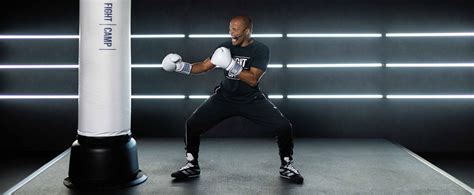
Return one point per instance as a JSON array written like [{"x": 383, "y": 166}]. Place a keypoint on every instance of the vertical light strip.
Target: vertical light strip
[
  {"x": 14, "y": 97},
  {"x": 395, "y": 65},
  {"x": 69, "y": 66},
  {"x": 275, "y": 96},
  {"x": 430, "y": 96},
  {"x": 228, "y": 36},
  {"x": 147, "y": 66},
  {"x": 431, "y": 65},
  {"x": 207, "y": 96},
  {"x": 275, "y": 66},
  {"x": 446, "y": 34},
  {"x": 158, "y": 36},
  {"x": 267, "y": 35},
  {"x": 276, "y": 35},
  {"x": 374, "y": 96},
  {"x": 39, "y": 36},
  {"x": 28, "y": 66},
  {"x": 77, "y": 36},
  {"x": 158, "y": 96},
  {"x": 37, "y": 66},
  {"x": 333, "y": 65},
  {"x": 209, "y": 36},
  {"x": 333, "y": 35},
  {"x": 198, "y": 96}
]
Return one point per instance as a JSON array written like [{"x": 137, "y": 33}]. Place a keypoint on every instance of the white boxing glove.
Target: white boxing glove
[
  {"x": 223, "y": 59},
  {"x": 173, "y": 62}
]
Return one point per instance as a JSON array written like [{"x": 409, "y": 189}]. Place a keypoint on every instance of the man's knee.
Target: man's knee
[
  {"x": 284, "y": 127},
  {"x": 193, "y": 126}
]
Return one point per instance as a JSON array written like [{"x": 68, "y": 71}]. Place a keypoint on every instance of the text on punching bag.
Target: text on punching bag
[{"x": 108, "y": 30}]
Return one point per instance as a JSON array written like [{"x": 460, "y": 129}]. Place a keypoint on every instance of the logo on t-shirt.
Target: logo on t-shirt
[{"x": 241, "y": 60}]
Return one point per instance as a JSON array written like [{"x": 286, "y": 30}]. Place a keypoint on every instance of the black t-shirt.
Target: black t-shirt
[{"x": 254, "y": 55}]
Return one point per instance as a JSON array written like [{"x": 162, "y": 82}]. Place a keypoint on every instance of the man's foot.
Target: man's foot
[
  {"x": 191, "y": 169},
  {"x": 287, "y": 171}
]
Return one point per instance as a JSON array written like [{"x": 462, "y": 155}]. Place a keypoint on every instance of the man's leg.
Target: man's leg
[
  {"x": 207, "y": 115},
  {"x": 262, "y": 111},
  {"x": 210, "y": 113},
  {"x": 265, "y": 113}
]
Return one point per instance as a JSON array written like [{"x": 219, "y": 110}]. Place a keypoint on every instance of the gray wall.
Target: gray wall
[{"x": 421, "y": 125}]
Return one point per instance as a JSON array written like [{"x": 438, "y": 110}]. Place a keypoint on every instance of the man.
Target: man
[{"x": 245, "y": 61}]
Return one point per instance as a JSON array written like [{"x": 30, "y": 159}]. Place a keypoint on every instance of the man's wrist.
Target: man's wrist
[
  {"x": 184, "y": 68},
  {"x": 234, "y": 69}
]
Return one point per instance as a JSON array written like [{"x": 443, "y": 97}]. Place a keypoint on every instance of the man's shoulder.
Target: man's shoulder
[
  {"x": 227, "y": 44},
  {"x": 261, "y": 46}
]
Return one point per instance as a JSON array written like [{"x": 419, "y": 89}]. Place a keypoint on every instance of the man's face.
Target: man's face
[{"x": 238, "y": 32}]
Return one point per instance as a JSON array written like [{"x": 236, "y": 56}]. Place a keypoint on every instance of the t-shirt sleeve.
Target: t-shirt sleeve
[{"x": 261, "y": 58}]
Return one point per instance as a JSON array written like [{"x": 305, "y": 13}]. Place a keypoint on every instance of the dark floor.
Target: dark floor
[
  {"x": 459, "y": 165},
  {"x": 14, "y": 167},
  {"x": 349, "y": 166}
]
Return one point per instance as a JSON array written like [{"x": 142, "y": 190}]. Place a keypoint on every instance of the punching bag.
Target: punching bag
[{"x": 104, "y": 154}]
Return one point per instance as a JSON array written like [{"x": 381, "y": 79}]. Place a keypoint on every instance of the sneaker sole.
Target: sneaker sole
[
  {"x": 185, "y": 177},
  {"x": 293, "y": 180}
]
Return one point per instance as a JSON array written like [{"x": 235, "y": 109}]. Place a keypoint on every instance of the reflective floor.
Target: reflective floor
[{"x": 250, "y": 166}]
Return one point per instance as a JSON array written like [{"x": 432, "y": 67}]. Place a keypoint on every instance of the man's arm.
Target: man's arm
[
  {"x": 202, "y": 67},
  {"x": 173, "y": 62},
  {"x": 252, "y": 76},
  {"x": 222, "y": 59}
]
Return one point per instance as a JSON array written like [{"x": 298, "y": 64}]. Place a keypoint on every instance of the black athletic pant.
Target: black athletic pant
[{"x": 259, "y": 110}]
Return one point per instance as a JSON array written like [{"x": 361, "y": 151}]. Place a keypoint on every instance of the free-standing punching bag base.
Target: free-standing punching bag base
[{"x": 104, "y": 163}]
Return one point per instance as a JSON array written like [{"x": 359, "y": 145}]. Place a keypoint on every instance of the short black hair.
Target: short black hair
[{"x": 246, "y": 19}]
